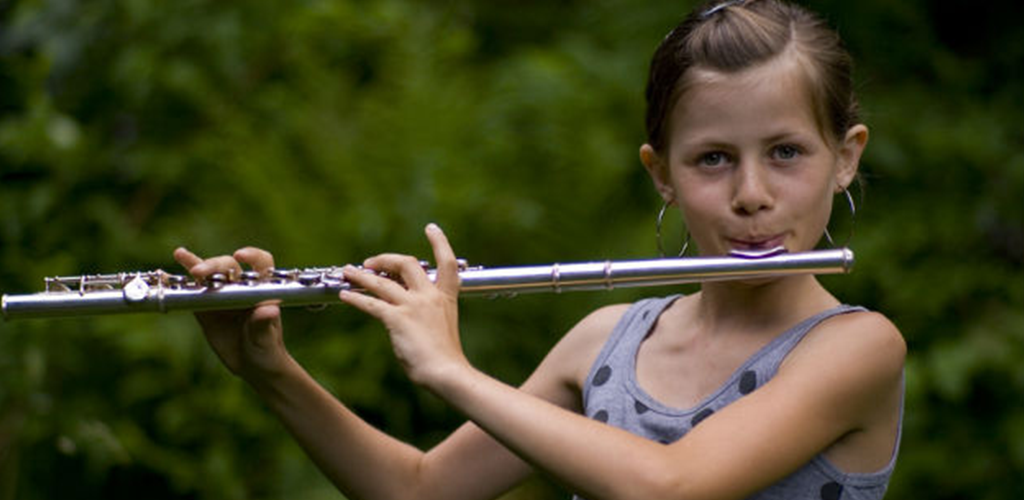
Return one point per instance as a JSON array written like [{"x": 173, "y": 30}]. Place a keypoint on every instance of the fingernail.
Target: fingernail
[{"x": 433, "y": 227}]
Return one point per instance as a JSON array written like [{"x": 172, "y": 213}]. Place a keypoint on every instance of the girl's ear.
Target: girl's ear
[
  {"x": 849, "y": 155},
  {"x": 658, "y": 170}
]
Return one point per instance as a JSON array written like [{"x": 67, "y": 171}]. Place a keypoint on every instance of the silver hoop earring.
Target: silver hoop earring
[
  {"x": 853, "y": 220},
  {"x": 657, "y": 233}
]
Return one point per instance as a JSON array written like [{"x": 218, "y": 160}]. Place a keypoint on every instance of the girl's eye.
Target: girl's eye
[
  {"x": 786, "y": 152},
  {"x": 712, "y": 159}
]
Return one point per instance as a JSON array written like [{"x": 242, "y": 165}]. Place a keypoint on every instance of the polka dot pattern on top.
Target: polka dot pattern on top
[
  {"x": 602, "y": 376},
  {"x": 613, "y": 395},
  {"x": 831, "y": 491},
  {"x": 748, "y": 382}
]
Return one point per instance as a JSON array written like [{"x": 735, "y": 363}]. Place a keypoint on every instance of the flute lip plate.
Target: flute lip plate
[{"x": 758, "y": 254}]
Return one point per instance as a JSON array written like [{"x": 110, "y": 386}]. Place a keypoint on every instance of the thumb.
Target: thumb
[
  {"x": 264, "y": 324},
  {"x": 447, "y": 278}
]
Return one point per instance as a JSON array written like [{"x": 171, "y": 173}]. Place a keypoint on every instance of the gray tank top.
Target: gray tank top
[{"x": 611, "y": 394}]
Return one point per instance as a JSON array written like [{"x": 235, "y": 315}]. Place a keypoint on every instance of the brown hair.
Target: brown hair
[{"x": 739, "y": 34}]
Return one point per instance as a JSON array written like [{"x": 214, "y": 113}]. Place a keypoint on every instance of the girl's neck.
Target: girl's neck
[{"x": 756, "y": 306}]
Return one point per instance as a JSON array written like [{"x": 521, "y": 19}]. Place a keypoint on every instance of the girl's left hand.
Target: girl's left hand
[{"x": 421, "y": 316}]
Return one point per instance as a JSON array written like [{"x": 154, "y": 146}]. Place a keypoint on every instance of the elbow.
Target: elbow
[{"x": 662, "y": 480}]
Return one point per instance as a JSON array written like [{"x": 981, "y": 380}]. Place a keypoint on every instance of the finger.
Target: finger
[
  {"x": 186, "y": 258},
  {"x": 447, "y": 278},
  {"x": 266, "y": 311},
  {"x": 257, "y": 258},
  {"x": 264, "y": 318},
  {"x": 369, "y": 305},
  {"x": 407, "y": 269},
  {"x": 223, "y": 264},
  {"x": 365, "y": 279}
]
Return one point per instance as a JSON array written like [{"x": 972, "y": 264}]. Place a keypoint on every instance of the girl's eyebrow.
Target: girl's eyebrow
[
  {"x": 784, "y": 136},
  {"x": 706, "y": 140},
  {"x": 714, "y": 142},
  {"x": 789, "y": 134}
]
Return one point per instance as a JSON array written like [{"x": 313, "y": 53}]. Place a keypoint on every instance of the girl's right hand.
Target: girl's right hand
[{"x": 249, "y": 342}]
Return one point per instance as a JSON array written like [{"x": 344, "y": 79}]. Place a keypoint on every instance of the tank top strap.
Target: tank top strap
[
  {"x": 781, "y": 346},
  {"x": 634, "y": 325}
]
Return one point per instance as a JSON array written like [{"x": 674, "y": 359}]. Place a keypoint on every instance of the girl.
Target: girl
[{"x": 768, "y": 389}]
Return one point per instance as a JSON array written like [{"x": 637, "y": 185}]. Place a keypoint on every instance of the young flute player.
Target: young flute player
[{"x": 766, "y": 389}]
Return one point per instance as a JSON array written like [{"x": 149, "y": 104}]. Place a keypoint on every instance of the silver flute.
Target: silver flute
[{"x": 159, "y": 291}]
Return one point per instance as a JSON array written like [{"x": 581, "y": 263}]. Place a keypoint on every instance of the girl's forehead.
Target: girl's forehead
[
  {"x": 773, "y": 94},
  {"x": 780, "y": 75}
]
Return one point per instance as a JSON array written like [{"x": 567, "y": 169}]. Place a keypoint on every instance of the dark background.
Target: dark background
[{"x": 331, "y": 131}]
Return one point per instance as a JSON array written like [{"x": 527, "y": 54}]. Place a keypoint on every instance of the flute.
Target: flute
[{"x": 159, "y": 291}]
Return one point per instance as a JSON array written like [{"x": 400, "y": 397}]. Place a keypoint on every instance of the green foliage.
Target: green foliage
[{"x": 331, "y": 131}]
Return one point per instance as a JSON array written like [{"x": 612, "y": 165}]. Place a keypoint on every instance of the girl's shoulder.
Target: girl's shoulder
[
  {"x": 855, "y": 333},
  {"x": 579, "y": 347},
  {"x": 593, "y": 330},
  {"x": 862, "y": 352},
  {"x": 599, "y": 322}
]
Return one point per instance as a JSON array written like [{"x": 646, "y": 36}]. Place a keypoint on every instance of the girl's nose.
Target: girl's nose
[{"x": 751, "y": 192}]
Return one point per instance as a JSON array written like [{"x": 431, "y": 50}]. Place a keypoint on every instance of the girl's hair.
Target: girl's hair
[{"x": 738, "y": 34}]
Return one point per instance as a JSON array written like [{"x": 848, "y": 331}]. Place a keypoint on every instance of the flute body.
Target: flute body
[{"x": 158, "y": 291}]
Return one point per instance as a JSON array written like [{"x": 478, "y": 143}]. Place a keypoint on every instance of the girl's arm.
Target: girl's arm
[
  {"x": 831, "y": 388},
  {"x": 364, "y": 462},
  {"x": 360, "y": 460},
  {"x": 824, "y": 392}
]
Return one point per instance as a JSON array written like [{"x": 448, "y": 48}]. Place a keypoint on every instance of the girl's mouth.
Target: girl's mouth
[{"x": 759, "y": 243}]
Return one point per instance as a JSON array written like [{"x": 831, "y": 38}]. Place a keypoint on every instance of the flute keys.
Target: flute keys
[
  {"x": 176, "y": 281},
  {"x": 280, "y": 275},
  {"x": 332, "y": 277},
  {"x": 216, "y": 280},
  {"x": 136, "y": 290},
  {"x": 309, "y": 279}
]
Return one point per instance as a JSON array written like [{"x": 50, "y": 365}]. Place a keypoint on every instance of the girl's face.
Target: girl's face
[{"x": 747, "y": 162}]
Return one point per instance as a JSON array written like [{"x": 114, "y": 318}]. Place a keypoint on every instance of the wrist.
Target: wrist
[
  {"x": 270, "y": 382},
  {"x": 450, "y": 381}
]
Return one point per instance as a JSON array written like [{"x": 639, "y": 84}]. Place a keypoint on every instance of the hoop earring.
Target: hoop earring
[
  {"x": 657, "y": 233},
  {"x": 853, "y": 220}
]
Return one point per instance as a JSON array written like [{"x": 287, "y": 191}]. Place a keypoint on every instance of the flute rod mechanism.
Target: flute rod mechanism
[{"x": 158, "y": 291}]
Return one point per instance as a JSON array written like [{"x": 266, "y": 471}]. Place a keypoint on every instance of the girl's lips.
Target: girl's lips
[{"x": 757, "y": 243}]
